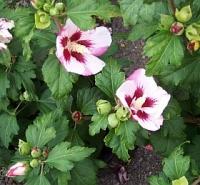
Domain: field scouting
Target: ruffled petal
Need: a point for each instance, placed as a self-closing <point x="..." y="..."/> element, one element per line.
<point x="99" y="38"/>
<point x="5" y="36"/>
<point x="6" y="24"/>
<point x="151" y="123"/>
<point x="126" y="91"/>
<point x="69" y="29"/>
<point x="161" y="101"/>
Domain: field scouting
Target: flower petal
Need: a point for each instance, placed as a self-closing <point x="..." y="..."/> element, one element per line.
<point x="151" y="123"/>
<point x="2" y="46"/>
<point x="6" y="24"/>
<point x="126" y="91"/>
<point x="100" y="39"/>
<point x="5" y="36"/>
<point x="69" y="29"/>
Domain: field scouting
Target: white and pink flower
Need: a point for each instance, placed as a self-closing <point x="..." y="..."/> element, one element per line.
<point x="78" y="50"/>
<point x="145" y="100"/>
<point x="5" y="36"/>
<point x="18" y="169"/>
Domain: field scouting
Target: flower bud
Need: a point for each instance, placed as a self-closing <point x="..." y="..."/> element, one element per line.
<point x="193" y="45"/>
<point x="112" y="120"/>
<point x="181" y="181"/>
<point x="34" y="163"/>
<point x="193" y="32"/>
<point x="177" y="28"/>
<point x="24" y="147"/>
<point x="37" y="4"/>
<point x="60" y="6"/>
<point x="184" y="15"/>
<point x="103" y="106"/>
<point x="42" y="20"/>
<point x="45" y="153"/>
<point x="53" y="11"/>
<point x="123" y="114"/>
<point x="46" y="7"/>
<point x="76" y="116"/>
<point x="36" y="152"/>
<point x="18" y="169"/>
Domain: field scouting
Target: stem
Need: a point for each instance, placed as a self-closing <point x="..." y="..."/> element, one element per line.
<point x="172" y="5"/>
<point x="58" y="24"/>
<point x="196" y="182"/>
<point x="192" y="120"/>
<point x="18" y="106"/>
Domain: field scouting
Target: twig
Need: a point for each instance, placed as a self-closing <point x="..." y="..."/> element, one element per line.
<point x="196" y="182"/>
<point x="58" y="24"/>
<point x="172" y="5"/>
<point x="192" y="120"/>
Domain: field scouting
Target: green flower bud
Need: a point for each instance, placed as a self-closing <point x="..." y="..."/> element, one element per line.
<point x="37" y="3"/>
<point x="46" y="7"/>
<point x="42" y="20"/>
<point x="177" y="28"/>
<point x="193" y="32"/>
<point x="184" y="15"/>
<point x="123" y="114"/>
<point x="112" y="120"/>
<point x="24" y="147"/>
<point x="60" y="6"/>
<point x="34" y="163"/>
<point x="45" y="153"/>
<point x="53" y="11"/>
<point x="103" y="106"/>
<point x="181" y="181"/>
<point x="36" y="152"/>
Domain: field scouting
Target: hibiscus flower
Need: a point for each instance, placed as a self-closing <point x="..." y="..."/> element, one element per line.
<point x="145" y="100"/>
<point x="78" y="50"/>
<point x="5" y="36"/>
<point x="17" y="169"/>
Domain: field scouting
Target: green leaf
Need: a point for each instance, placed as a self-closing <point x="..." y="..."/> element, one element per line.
<point x="39" y="134"/>
<point x="147" y="12"/>
<point x="98" y="122"/>
<point x="159" y="180"/>
<point x="4" y="83"/>
<point x="122" y="139"/>
<point x="169" y="136"/>
<point x="21" y="76"/>
<point x="194" y="149"/>
<point x="166" y="22"/>
<point x="5" y="57"/>
<point x="130" y="11"/>
<point x="62" y="157"/>
<point x="127" y="130"/>
<point x="82" y="13"/>
<point x="38" y="180"/>
<point x="84" y="173"/>
<point x="165" y="50"/>
<point x="142" y="31"/>
<point x="176" y="165"/>
<point x="86" y="100"/>
<point x="8" y="128"/>
<point x="110" y="78"/>
<point x="59" y="81"/>
<point x="187" y="74"/>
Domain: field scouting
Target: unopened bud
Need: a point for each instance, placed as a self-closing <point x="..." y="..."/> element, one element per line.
<point x="77" y="116"/>
<point x="53" y="11"/>
<point x="177" y="28"/>
<point x="123" y="114"/>
<point x="103" y="106"/>
<point x="112" y="120"/>
<point x="45" y="153"/>
<point x="193" y="45"/>
<point x="34" y="163"/>
<point x="193" y="32"/>
<point x="42" y="20"/>
<point x="46" y="7"/>
<point x="184" y="15"/>
<point x="24" y="147"/>
<point x="60" y="6"/>
<point x="36" y="152"/>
